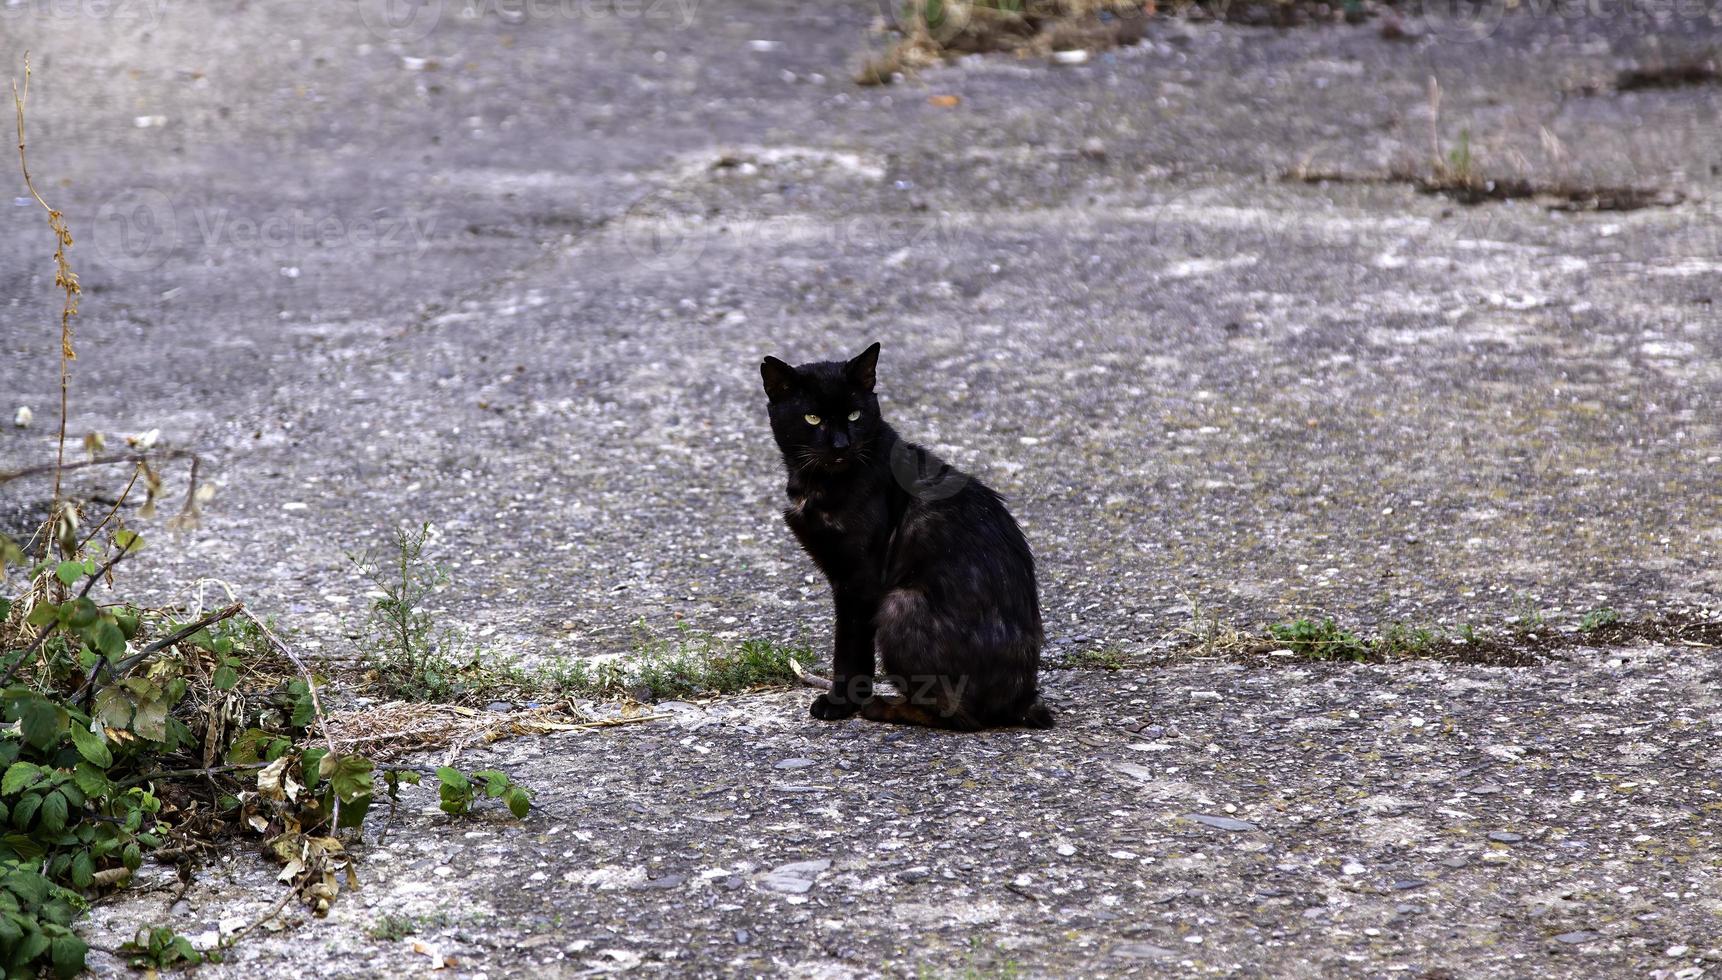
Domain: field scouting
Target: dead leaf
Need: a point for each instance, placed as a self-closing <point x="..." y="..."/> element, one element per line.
<point x="944" y="101"/>
<point x="437" y="962"/>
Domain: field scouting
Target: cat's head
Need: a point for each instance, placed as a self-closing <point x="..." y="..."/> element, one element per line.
<point x="824" y="414"/>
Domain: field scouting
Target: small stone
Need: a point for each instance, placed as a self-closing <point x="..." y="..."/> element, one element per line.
<point x="742" y="937"/>
<point x="1676" y="951"/>
<point x="1144" y="951"/>
<point x="1353" y="868"/>
<point x="1406" y="884"/>
<point x="1457" y="862"/>
<point x="1574" y="938"/>
<point x="795" y="763"/>
<point x="1221" y="823"/>
<point x="795" y="878"/>
<point x="1094" y="149"/>
<point x="1505" y="837"/>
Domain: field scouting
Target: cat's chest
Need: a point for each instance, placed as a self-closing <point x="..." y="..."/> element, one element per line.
<point x="817" y="516"/>
<point x="810" y="513"/>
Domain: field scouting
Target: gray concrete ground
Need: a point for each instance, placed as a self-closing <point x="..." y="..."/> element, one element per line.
<point x="511" y="272"/>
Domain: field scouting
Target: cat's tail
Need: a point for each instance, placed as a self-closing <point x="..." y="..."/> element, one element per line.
<point x="1038" y="715"/>
<point x="811" y="680"/>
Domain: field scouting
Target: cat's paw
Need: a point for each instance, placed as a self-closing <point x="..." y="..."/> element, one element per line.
<point x="825" y="709"/>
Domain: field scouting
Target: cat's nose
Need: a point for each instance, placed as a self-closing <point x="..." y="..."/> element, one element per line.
<point x="839" y="441"/>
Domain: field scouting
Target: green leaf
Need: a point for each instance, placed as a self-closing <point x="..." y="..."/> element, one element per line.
<point x="69" y="571"/>
<point x="495" y="783"/>
<point x="93" y="747"/>
<point x="248" y="747"/>
<point x="132" y="856"/>
<point x="114" y="708"/>
<point x="353" y="812"/>
<point x="67" y="954"/>
<point x="25" y="809"/>
<point x="83" y="869"/>
<point x="225" y="678"/>
<point x="32" y="888"/>
<point x="34" y="944"/>
<point x="42" y="614"/>
<point x="128" y="541"/>
<point x="84" y="612"/>
<point x="18" y="775"/>
<point x="452" y="778"/>
<point x="23" y="845"/>
<point x="311" y="763"/>
<point x="93" y="781"/>
<point x="128" y="623"/>
<point x="53" y="815"/>
<point x="351" y="778"/>
<point x="42" y="722"/>
<point x="304" y="711"/>
<point x="518" y="802"/>
<point x="109" y="639"/>
<point x="151" y="720"/>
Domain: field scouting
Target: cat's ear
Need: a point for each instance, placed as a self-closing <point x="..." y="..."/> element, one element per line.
<point x="780" y="379"/>
<point x="860" y="371"/>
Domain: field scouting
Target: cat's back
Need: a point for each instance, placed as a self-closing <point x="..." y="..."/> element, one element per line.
<point x="952" y="513"/>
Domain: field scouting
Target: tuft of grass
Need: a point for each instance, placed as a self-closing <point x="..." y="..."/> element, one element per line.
<point x="685" y="663"/>
<point x="1104" y="658"/>
<point x="1323" y="640"/>
<point x="1598" y="618"/>
<point x="391" y="928"/>
<point x="1402" y="640"/>
<point x="1527" y="615"/>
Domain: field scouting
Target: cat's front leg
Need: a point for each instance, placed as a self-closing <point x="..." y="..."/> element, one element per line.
<point x="851" y="657"/>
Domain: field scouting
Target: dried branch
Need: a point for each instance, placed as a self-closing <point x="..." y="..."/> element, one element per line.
<point x="64" y="277"/>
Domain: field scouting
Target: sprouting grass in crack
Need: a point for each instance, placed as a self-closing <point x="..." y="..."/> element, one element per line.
<point x="1102" y="658"/>
<point x="1403" y="640"/>
<point x="412" y="657"/>
<point x="682" y="663"/>
<point x="1527" y="615"/>
<point x="1323" y="640"/>
<point x="1596" y="619"/>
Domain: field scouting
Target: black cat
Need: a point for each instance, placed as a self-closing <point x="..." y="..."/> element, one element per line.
<point x="926" y="565"/>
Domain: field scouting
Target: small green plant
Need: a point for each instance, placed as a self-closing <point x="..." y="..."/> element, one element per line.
<point x="1466" y="633"/>
<point x="1323" y="640"/>
<point x="1527" y="615"/>
<point x="1105" y="658"/>
<point x="1598" y="618"/>
<point x="459" y="791"/>
<point x="1401" y="640"/>
<point x="1459" y="162"/>
<point x="981" y="961"/>
<point x="412" y="658"/>
<point x="683" y="663"/>
<point x="160" y="948"/>
<point x="391" y="928"/>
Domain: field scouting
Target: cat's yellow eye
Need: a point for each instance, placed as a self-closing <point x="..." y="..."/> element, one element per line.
<point x="811" y="419"/>
<point x="854" y="416"/>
